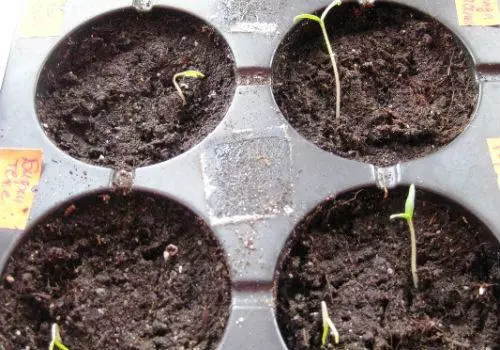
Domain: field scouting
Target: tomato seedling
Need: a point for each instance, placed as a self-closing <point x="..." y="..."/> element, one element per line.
<point x="408" y="216"/>
<point x="185" y="74"/>
<point x="321" y="22"/>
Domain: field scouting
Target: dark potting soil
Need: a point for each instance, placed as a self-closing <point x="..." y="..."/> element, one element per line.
<point x="106" y="95"/>
<point x="349" y="254"/>
<point x="97" y="269"/>
<point x="406" y="84"/>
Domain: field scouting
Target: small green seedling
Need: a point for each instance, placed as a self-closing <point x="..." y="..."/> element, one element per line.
<point x="185" y="74"/>
<point x="408" y="216"/>
<point x="328" y="326"/>
<point x="56" y="342"/>
<point x="321" y="21"/>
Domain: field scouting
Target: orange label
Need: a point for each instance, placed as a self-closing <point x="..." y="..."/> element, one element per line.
<point x="494" y="146"/>
<point x="478" y="12"/>
<point x="20" y="171"/>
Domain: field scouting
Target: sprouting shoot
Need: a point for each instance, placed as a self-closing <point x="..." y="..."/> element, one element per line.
<point x="56" y="341"/>
<point x="185" y="74"/>
<point x="408" y="216"/>
<point x="328" y="326"/>
<point x="321" y="22"/>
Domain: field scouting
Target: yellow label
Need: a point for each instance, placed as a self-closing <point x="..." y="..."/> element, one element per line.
<point x="494" y="146"/>
<point x="478" y="12"/>
<point x="20" y="171"/>
<point x="43" y="18"/>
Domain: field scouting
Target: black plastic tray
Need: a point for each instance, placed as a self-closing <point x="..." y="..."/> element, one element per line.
<point x="253" y="219"/>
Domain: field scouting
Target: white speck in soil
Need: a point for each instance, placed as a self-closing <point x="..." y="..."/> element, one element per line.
<point x="9" y="279"/>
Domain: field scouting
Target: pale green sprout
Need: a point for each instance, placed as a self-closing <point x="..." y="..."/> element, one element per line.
<point x="408" y="216"/>
<point x="185" y="74"/>
<point x="328" y="326"/>
<point x="321" y="21"/>
<point x="56" y="342"/>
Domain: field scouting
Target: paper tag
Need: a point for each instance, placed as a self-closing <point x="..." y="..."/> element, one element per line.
<point x="43" y="18"/>
<point x="478" y="12"/>
<point x="494" y="146"/>
<point x="20" y="171"/>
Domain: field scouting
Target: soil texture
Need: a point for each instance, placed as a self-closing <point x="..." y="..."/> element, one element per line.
<point x="406" y="86"/>
<point x="97" y="268"/>
<point x="348" y="253"/>
<point x="106" y="95"/>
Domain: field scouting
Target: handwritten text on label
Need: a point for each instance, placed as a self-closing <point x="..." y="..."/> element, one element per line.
<point x="478" y="12"/>
<point x="43" y="18"/>
<point x="19" y="175"/>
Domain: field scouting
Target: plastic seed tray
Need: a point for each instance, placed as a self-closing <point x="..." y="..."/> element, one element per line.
<point x="254" y="177"/>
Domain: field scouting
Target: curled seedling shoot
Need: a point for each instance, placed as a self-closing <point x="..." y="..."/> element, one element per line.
<point x="321" y="22"/>
<point x="56" y="341"/>
<point x="328" y="326"/>
<point x="408" y="216"/>
<point x="185" y="74"/>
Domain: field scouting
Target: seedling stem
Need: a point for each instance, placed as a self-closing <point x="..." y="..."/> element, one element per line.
<point x="185" y="74"/>
<point x="328" y="326"/>
<point x="321" y="21"/>
<point x="408" y="216"/>
<point x="56" y="341"/>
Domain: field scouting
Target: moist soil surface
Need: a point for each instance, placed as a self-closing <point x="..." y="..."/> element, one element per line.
<point x="97" y="269"/>
<point x="348" y="253"/>
<point x="406" y="86"/>
<point x="106" y="95"/>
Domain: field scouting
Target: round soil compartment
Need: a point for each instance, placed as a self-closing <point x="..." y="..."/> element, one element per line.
<point x="106" y="95"/>
<point x="97" y="269"/>
<point x="406" y="88"/>
<point x="349" y="254"/>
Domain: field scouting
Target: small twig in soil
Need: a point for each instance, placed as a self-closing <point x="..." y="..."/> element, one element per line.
<point x="330" y="212"/>
<point x="448" y="70"/>
<point x="457" y="343"/>
<point x="56" y="341"/>
<point x="408" y="216"/>
<point x="329" y="286"/>
<point x="433" y="219"/>
<point x="185" y="74"/>
<point x="452" y="97"/>
<point x="351" y="199"/>
<point x="328" y="326"/>
<point x="321" y="22"/>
